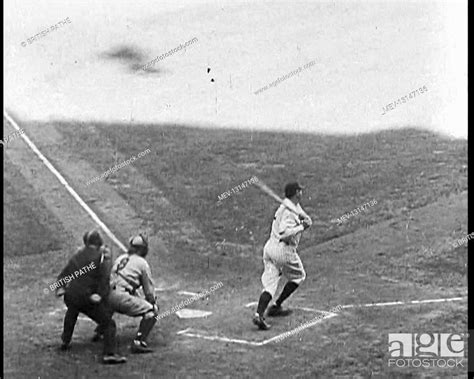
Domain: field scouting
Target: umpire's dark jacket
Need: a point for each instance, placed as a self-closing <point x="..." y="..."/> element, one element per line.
<point x="86" y="273"/>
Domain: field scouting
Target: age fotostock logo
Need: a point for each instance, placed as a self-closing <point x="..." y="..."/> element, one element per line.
<point x="444" y="350"/>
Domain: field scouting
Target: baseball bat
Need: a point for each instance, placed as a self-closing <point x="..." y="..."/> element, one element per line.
<point x="291" y="207"/>
<point x="272" y="194"/>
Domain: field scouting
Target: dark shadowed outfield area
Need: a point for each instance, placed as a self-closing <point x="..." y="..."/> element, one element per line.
<point x="393" y="251"/>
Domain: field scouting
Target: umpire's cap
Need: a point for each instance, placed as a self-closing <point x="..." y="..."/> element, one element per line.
<point x="93" y="238"/>
<point x="291" y="188"/>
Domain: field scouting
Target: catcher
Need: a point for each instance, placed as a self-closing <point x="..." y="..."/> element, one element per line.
<point x="280" y="256"/>
<point x="130" y="272"/>
<point x="87" y="293"/>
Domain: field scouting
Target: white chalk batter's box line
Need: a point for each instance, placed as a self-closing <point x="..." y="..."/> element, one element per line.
<point x="197" y="334"/>
<point x="189" y="333"/>
<point x="326" y="315"/>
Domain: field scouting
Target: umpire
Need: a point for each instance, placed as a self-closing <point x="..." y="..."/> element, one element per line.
<point x="86" y="292"/>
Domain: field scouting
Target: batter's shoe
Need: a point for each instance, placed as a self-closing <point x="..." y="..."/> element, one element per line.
<point x="260" y="322"/>
<point x="140" y="347"/>
<point x="278" y="311"/>
<point x="112" y="359"/>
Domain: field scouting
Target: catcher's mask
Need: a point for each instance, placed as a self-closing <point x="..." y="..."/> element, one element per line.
<point x="139" y="245"/>
<point x="93" y="238"/>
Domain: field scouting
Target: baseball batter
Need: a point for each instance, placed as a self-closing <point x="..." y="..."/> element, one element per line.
<point x="280" y="257"/>
<point x="130" y="272"/>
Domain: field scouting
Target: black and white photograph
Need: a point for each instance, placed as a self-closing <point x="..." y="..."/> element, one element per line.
<point x="235" y="189"/>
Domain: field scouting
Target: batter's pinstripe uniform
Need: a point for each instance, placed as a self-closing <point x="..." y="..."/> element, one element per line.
<point x="280" y="256"/>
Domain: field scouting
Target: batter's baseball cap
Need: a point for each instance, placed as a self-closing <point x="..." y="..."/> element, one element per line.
<point x="291" y="188"/>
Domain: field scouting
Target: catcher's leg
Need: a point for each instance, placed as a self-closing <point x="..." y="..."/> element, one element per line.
<point x="139" y="344"/>
<point x="146" y="325"/>
<point x="135" y="306"/>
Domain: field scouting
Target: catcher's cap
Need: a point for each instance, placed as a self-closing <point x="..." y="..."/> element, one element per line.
<point x="93" y="238"/>
<point x="291" y="188"/>
<point x="138" y="241"/>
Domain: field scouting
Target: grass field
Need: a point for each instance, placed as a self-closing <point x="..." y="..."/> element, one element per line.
<point x="398" y="250"/>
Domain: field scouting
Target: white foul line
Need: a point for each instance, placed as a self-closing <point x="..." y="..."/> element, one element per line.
<point x="402" y="303"/>
<point x="370" y="305"/>
<point x="300" y="328"/>
<point x="66" y="184"/>
<point x="217" y="338"/>
<point x="187" y="293"/>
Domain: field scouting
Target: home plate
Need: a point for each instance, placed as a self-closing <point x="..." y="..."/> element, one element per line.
<point x="192" y="313"/>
